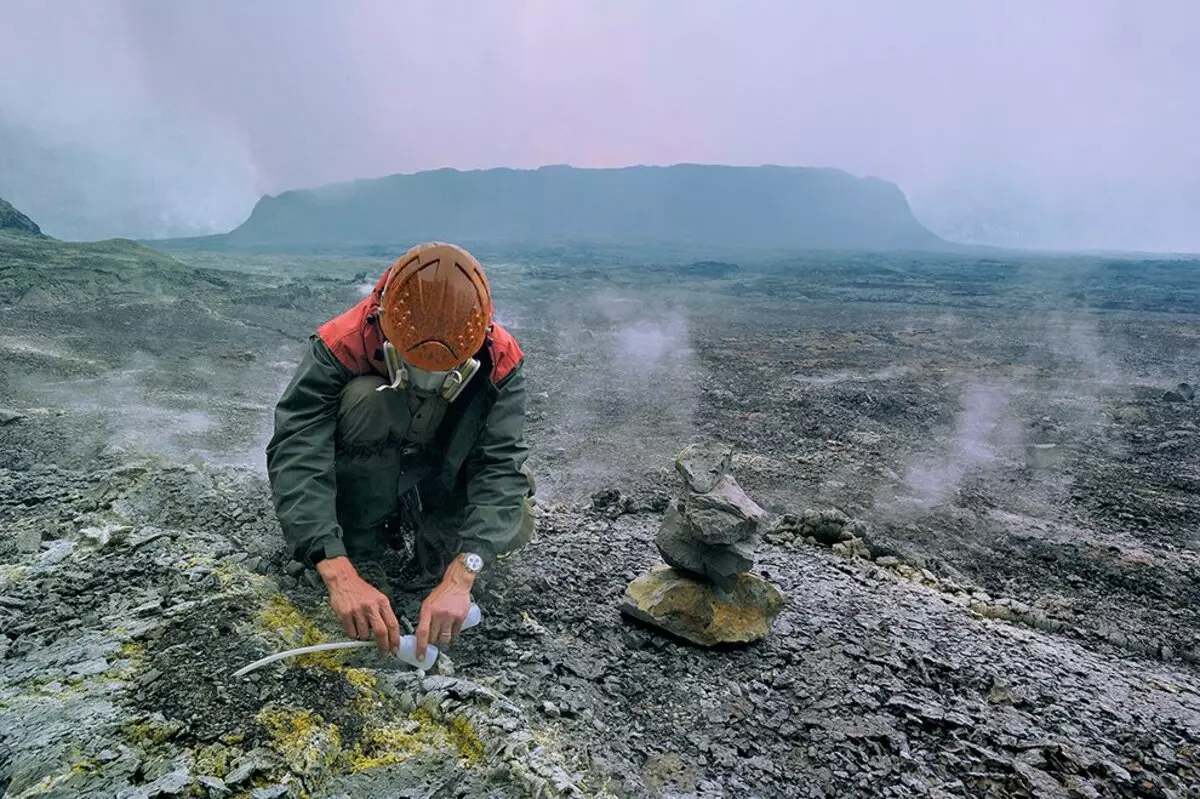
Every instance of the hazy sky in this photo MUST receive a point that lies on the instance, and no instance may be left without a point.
(1049, 122)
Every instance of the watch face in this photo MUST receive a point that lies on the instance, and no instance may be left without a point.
(474, 562)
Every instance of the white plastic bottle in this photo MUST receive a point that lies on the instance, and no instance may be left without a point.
(408, 653)
(408, 643)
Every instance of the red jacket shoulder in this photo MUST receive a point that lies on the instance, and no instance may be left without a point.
(505, 353)
(354, 336)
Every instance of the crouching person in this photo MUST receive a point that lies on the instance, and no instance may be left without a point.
(406, 414)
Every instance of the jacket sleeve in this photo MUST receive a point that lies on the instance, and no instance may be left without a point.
(495, 480)
(300, 455)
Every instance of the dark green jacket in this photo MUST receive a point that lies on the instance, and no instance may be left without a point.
(479, 453)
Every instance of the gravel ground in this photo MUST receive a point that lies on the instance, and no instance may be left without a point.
(1019, 622)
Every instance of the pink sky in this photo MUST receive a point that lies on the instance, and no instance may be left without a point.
(1063, 100)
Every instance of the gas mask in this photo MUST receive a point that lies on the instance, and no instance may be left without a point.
(423, 382)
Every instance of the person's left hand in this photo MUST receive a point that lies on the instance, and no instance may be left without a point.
(442, 615)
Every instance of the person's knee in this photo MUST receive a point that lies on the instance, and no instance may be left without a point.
(363, 411)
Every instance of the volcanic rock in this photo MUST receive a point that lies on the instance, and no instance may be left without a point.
(703, 615)
(1181, 393)
(679, 547)
(1042, 456)
(853, 547)
(703, 465)
(828, 526)
(723, 515)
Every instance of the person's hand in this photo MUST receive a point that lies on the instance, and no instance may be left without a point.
(362, 609)
(445, 609)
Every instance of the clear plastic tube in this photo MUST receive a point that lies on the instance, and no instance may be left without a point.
(304, 650)
(406, 653)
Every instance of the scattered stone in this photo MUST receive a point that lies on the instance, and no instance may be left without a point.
(57, 552)
(294, 568)
(146, 536)
(149, 677)
(887, 561)
(826, 526)
(1042, 456)
(699, 612)
(28, 541)
(95, 537)
(8, 417)
(809, 697)
(170, 784)
(148, 608)
(853, 548)
(215, 785)
(1131, 414)
(253, 762)
(12, 602)
(88, 668)
(703, 465)
(781, 534)
(606, 498)
(270, 792)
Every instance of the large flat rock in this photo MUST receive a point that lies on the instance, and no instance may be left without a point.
(696, 611)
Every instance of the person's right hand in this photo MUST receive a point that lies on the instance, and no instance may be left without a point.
(362, 609)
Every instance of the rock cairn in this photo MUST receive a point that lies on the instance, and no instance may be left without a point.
(709, 530)
(705, 591)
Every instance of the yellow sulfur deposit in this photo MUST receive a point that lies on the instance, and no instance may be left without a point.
(214, 760)
(394, 742)
(362, 679)
(466, 740)
(302, 737)
(285, 621)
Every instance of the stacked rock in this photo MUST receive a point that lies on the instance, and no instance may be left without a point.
(708, 532)
(704, 592)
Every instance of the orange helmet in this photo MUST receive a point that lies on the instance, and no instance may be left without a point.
(436, 306)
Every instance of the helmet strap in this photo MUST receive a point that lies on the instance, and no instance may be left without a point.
(397, 371)
(452, 387)
(457, 380)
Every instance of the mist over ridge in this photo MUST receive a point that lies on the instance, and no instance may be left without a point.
(1068, 126)
(696, 204)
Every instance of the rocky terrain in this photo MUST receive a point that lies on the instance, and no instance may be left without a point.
(978, 483)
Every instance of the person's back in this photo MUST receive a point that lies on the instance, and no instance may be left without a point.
(406, 413)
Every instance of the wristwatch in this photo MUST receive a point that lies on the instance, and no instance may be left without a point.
(473, 562)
